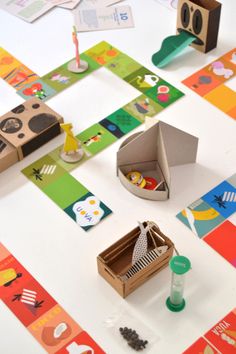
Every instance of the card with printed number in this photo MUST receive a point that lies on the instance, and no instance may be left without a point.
(98, 19)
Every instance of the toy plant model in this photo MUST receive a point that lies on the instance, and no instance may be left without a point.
(71, 151)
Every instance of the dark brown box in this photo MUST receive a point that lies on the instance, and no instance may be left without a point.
(116, 260)
(200, 18)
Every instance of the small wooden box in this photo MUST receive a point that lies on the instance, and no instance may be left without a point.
(116, 260)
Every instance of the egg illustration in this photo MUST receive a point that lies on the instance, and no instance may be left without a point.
(88, 212)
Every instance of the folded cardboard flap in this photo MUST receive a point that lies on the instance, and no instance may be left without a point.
(154, 151)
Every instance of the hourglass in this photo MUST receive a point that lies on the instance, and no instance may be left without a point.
(179, 266)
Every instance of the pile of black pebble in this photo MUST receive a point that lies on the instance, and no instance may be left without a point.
(133, 339)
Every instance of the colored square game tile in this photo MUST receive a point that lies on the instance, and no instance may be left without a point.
(87, 211)
(232, 180)
(230, 57)
(164, 93)
(221, 69)
(201, 346)
(12, 276)
(7, 62)
(232, 112)
(223, 241)
(142, 107)
(221, 198)
(29, 302)
(61, 78)
(142, 79)
(43, 171)
(82, 343)
(200, 217)
(222, 97)
(122, 65)
(37, 89)
(120, 123)
(202, 82)
(96, 138)
(54, 321)
(55, 155)
(20, 76)
(65, 190)
(102, 53)
(223, 334)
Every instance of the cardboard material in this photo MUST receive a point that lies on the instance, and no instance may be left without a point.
(200, 18)
(116, 260)
(25, 128)
(152, 153)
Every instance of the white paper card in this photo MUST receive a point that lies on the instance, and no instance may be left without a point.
(105, 18)
(85, 4)
(71, 4)
(28, 10)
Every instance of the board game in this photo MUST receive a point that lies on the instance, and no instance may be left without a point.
(50, 173)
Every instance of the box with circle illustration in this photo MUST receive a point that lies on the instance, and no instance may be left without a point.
(24, 129)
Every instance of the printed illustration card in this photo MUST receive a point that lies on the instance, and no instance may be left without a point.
(28, 10)
(84, 4)
(223, 334)
(70, 5)
(105, 18)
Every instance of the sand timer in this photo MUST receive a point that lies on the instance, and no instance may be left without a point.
(179, 266)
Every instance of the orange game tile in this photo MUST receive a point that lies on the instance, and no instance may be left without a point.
(232, 112)
(202, 82)
(54, 329)
(221, 69)
(222, 97)
(230, 57)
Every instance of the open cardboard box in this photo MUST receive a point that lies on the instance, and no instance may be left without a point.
(152, 153)
(116, 260)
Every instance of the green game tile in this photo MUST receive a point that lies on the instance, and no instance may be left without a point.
(142, 107)
(55, 155)
(123, 122)
(96, 138)
(61, 78)
(65, 190)
(122, 65)
(85, 211)
(164, 98)
(142, 79)
(102, 53)
(43, 171)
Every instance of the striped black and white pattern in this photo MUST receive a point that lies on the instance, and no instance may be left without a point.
(142, 263)
(229, 197)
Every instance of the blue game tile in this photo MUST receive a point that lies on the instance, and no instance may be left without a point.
(222, 198)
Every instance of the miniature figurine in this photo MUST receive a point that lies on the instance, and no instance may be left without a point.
(77, 65)
(71, 151)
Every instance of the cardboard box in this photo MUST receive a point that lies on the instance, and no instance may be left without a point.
(116, 260)
(202, 19)
(8, 154)
(152, 153)
(25, 128)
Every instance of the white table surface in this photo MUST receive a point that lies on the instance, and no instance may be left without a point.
(62, 256)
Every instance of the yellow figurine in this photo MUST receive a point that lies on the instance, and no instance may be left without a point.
(71, 151)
